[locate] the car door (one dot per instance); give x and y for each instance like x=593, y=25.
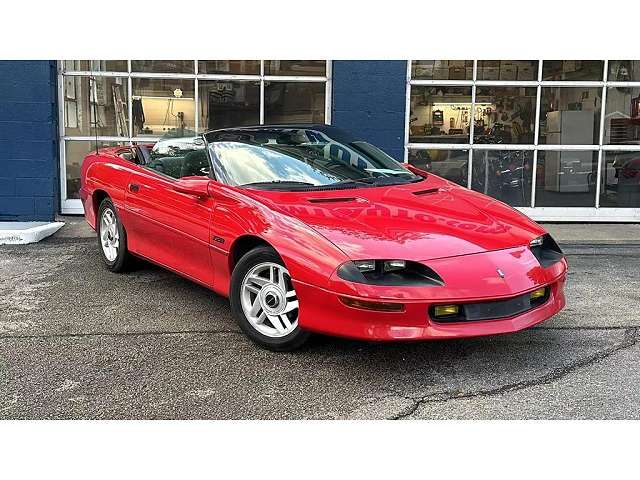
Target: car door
x=166, y=226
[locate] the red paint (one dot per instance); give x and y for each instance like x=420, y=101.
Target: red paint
x=192, y=225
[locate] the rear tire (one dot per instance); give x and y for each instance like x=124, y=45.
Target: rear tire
x=264, y=302
x=112, y=238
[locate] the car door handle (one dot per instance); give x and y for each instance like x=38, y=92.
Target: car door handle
x=134, y=187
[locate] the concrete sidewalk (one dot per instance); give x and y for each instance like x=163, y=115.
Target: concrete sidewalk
x=564, y=233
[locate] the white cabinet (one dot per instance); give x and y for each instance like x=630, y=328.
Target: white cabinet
x=568, y=171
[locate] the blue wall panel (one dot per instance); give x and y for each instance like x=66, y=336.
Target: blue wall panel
x=28, y=140
x=369, y=100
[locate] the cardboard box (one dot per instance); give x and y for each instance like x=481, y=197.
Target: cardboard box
x=441, y=64
x=441, y=74
x=508, y=73
x=423, y=71
x=490, y=63
x=489, y=73
x=457, y=63
x=457, y=73
x=526, y=73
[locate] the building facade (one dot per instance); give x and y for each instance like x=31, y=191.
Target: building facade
x=559, y=140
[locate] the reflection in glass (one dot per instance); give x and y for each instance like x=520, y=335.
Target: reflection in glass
x=588, y=70
x=96, y=107
x=162, y=106
x=230, y=67
x=624, y=71
x=163, y=66
x=622, y=119
x=442, y=69
x=303, y=68
x=277, y=157
x=566, y=178
x=294, y=102
x=75, y=151
x=503, y=174
x=228, y=103
x=570, y=115
x=522, y=70
x=450, y=164
x=440, y=114
x=95, y=65
x=504, y=115
x=620, y=182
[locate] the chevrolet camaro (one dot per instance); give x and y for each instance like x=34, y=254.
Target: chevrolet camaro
x=308, y=229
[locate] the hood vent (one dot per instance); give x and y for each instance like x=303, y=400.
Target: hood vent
x=333, y=200
x=428, y=191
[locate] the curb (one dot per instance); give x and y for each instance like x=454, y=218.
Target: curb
x=27, y=234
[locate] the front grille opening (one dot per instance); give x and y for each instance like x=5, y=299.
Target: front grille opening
x=492, y=310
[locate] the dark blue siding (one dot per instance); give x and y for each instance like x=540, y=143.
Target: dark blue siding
x=369, y=100
x=28, y=140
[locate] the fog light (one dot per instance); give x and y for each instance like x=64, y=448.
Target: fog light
x=539, y=293
x=446, y=310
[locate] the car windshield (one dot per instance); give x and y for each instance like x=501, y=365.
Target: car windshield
x=301, y=158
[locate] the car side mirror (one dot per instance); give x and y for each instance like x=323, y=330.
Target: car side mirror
x=196, y=187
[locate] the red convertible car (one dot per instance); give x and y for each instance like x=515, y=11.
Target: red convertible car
x=307, y=229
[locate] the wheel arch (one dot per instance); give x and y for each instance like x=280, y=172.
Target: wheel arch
x=244, y=244
x=96, y=199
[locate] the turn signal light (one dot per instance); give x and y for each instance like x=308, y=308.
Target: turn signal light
x=378, y=306
x=539, y=293
x=446, y=310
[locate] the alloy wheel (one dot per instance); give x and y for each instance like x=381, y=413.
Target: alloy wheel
x=269, y=300
x=109, y=235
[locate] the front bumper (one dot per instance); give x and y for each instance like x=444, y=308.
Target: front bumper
x=322, y=311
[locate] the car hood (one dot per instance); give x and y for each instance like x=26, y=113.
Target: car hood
x=420, y=221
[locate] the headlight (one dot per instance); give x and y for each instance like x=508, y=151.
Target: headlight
x=536, y=242
x=546, y=250
x=389, y=272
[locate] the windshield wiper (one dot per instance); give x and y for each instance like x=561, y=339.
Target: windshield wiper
x=279, y=183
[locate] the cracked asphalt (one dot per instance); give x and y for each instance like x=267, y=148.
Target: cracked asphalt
x=77, y=341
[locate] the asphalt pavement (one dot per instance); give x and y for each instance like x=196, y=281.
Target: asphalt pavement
x=77, y=341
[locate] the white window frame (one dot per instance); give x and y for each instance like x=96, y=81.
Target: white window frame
x=74, y=206
x=551, y=214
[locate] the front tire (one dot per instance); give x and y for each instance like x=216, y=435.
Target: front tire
x=264, y=301
x=112, y=237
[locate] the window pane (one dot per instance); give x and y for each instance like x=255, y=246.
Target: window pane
x=442, y=69
x=503, y=174
x=162, y=66
x=294, y=102
x=232, y=67
x=505, y=115
x=566, y=179
x=507, y=70
x=303, y=68
x=572, y=70
x=75, y=151
x=624, y=71
x=450, y=164
x=228, y=104
x=620, y=184
x=570, y=115
x=96, y=107
x=163, y=106
x=622, y=121
x=440, y=114
x=95, y=65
